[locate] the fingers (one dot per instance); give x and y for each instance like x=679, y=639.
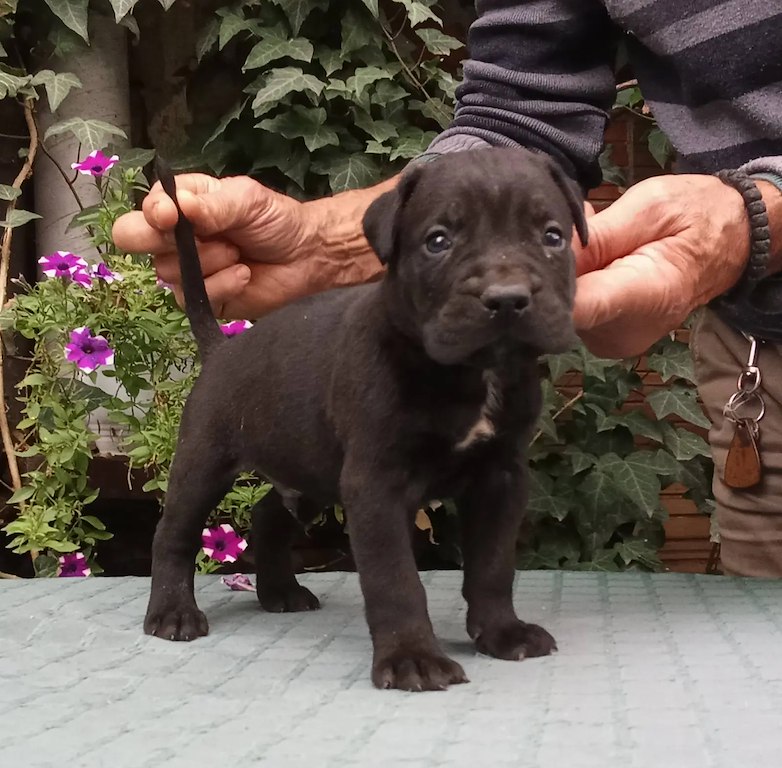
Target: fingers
x=215, y=256
x=223, y=288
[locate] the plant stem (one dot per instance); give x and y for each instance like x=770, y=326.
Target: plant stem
x=566, y=407
x=5, y=261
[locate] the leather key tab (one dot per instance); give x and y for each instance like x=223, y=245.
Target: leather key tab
x=742, y=465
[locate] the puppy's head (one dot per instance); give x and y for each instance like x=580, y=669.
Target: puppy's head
x=477, y=246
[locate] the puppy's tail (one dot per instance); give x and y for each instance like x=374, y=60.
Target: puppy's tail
x=197, y=307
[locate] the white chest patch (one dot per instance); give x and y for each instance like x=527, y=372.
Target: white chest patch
x=484, y=429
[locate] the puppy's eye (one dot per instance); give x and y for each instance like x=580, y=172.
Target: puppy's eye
x=553, y=238
x=438, y=242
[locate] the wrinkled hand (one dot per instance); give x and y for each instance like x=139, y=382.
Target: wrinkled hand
x=668, y=245
x=259, y=249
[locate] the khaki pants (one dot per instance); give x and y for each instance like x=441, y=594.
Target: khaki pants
x=750, y=522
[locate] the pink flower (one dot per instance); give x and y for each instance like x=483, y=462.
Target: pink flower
x=238, y=582
x=164, y=285
x=66, y=266
x=95, y=164
x=101, y=271
x=235, y=327
x=73, y=564
x=223, y=543
x=87, y=351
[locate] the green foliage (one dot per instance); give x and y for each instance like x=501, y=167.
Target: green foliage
x=601, y=458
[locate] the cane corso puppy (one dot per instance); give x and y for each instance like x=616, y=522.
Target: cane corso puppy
x=382, y=397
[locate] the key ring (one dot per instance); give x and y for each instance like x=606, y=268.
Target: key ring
x=748, y=384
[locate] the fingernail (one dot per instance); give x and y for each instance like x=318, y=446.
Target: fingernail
x=243, y=274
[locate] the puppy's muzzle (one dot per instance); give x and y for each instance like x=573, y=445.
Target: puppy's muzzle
x=507, y=302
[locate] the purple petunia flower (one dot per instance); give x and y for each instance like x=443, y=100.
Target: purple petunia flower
x=238, y=582
x=235, y=327
x=223, y=543
x=88, y=351
x=73, y=564
x=100, y=270
x=66, y=266
x=164, y=285
x=95, y=164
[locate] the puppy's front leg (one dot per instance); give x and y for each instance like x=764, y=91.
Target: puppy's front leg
x=406, y=652
x=491, y=513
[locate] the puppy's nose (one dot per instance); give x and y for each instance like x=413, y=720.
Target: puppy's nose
x=506, y=299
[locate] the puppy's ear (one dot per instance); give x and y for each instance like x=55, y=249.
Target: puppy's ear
x=382, y=218
x=575, y=199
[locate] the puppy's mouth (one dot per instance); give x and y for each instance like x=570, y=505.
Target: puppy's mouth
x=453, y=338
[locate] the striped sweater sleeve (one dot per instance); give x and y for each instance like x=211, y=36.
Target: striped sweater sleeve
x=539, y=76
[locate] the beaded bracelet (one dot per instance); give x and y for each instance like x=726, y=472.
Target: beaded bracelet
x=760, y=235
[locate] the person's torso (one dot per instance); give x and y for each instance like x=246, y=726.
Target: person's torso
x=711, y=70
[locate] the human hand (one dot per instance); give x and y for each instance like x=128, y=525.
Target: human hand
x=668, y=245
x=259, y=249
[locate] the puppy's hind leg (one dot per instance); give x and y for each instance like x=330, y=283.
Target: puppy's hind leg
x=194, y=489
x=273, y=529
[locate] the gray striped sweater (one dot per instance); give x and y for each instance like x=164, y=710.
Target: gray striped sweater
x=540, y=75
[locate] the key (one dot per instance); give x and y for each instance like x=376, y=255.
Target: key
x=742, y=466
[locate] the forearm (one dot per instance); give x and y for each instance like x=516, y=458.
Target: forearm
x=539, y=76
x=342, y=248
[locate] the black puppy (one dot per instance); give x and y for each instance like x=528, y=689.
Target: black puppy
x=383, y=397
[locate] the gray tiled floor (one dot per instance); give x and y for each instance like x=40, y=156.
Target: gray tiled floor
x=667, y=671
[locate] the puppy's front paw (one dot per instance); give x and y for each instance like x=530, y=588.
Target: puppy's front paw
x=287, y=600
x=181, y=622
x=413, y=670
x=515, y=641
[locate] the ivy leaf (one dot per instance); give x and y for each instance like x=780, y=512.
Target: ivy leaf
x=296, y=11
x=373, y=7
x=660, y=147
x=434, y=109
x=673, y=362
x=58, y=86
x=411, y=143
x=603, y=561
x=364, y=77
x=18, y=217
x=3, y=52
x=678, y=400
x=579, y=460
x=348, y=171
x=417, y=13
x=72, y=13
x=121, y=8
x=166, y=4
x=387, y=92
x=307, y=123
x=639, y=550
x=559, y=365
x=438, y=43
x=207, y=39
x=635, y=479
x=281, y=82
x=91, y=133
x=8, y=192
x=231, y=25
x=225, y=121
x=356, y=34
x=684, y=444
x=329, y=59
x=543, y=502
x=379, y=130
x=595, y=366
x=273, y=48
x=11, y=84
x=376, y=148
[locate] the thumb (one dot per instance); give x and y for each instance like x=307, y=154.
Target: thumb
x=619, y=230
